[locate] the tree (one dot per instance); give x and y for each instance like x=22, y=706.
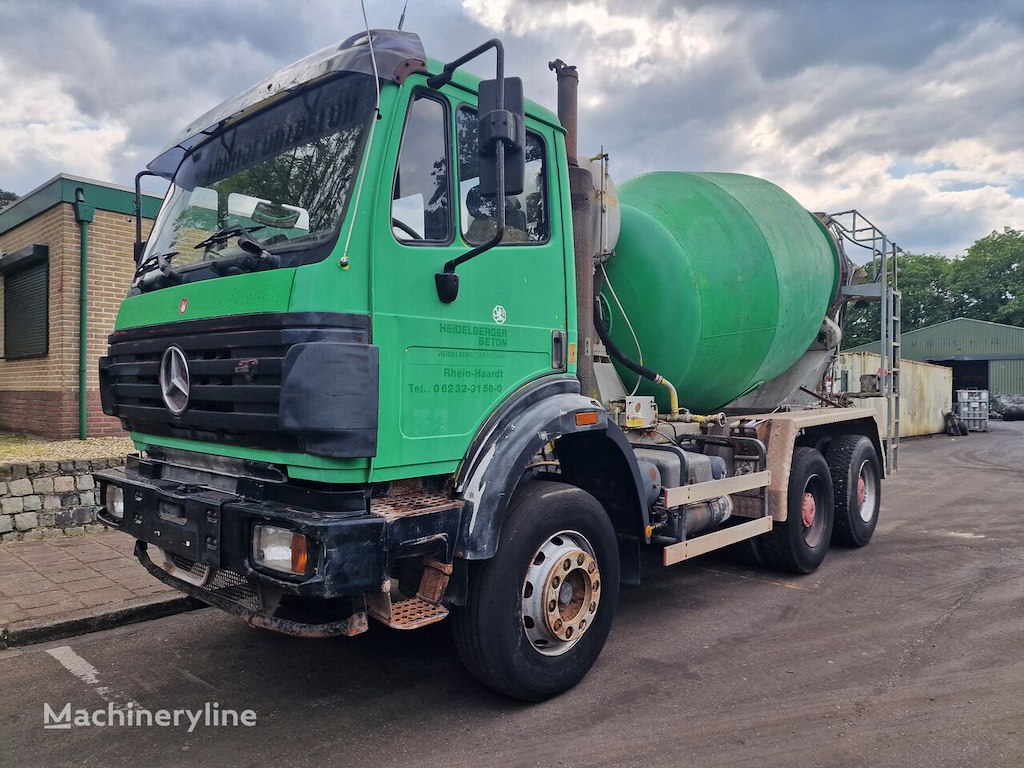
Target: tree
x=989, y=280
x=925, y=283
x=986, y=284
x=6, y=198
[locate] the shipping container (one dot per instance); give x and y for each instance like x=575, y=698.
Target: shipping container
x=926, y=391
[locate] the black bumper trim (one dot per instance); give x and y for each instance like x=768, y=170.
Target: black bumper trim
x=214, y=529
x=353, y=624
x=352, y=551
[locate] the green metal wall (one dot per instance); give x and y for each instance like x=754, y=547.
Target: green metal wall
x=1006, y=377
x=961, y=338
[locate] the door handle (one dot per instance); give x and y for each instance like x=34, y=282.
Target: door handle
x=558, y=350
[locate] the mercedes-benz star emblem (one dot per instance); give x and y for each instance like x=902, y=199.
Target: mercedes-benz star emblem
x=174, y=380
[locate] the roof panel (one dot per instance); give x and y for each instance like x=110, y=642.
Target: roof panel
x=961, y=338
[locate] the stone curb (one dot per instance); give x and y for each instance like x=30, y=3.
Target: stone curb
x=100, y=617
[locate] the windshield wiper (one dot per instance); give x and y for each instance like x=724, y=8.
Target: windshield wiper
x=151, y=261
x=158, y=272
x=254, y=259
x=224, y=234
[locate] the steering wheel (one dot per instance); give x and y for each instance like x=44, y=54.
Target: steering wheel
x=406, y=228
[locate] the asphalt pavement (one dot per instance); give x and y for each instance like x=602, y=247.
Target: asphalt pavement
x=907, y=653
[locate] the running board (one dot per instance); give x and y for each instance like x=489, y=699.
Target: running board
x=712, y=489
x=411, y=613
x=684, y=550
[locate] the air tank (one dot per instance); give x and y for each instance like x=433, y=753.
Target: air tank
x=725, y=278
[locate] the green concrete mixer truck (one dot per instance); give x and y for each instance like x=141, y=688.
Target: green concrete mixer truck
x=395, y=350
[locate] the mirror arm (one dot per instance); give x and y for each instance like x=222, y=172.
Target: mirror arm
x=138, y=203
x=445, y=76
x=447, y=281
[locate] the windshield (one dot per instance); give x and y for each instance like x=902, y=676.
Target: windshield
x=283, y=177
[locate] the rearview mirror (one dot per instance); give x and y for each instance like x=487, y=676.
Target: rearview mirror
x=507, y=126
x=272, y=215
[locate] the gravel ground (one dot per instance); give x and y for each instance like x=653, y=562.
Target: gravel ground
x=17, y=448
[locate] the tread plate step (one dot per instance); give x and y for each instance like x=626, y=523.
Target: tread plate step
x=411, y=614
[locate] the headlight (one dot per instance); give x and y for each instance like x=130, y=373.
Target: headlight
x=113, y=500
x=280, y=549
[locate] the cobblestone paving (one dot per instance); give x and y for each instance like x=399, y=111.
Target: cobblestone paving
x=48, y=579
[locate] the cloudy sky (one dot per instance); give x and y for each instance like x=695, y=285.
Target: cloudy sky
x=910, y=110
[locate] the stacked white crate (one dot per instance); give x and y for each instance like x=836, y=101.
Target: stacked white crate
x=972, y=408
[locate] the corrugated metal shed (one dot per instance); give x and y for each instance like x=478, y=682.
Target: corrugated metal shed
x=1006, y=377
x=982, y=355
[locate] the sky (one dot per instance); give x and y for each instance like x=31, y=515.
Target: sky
x=911, y=111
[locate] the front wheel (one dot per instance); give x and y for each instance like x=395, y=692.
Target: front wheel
x=538, y=612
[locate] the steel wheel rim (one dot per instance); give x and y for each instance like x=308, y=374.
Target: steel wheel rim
x=814, y=489
x=560, y=593
x=867, y=495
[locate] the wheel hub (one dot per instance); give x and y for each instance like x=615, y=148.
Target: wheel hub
x=561, y=593
x=867, y=491
x=808, y=509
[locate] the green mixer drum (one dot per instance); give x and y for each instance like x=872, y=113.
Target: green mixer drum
x=725, y=278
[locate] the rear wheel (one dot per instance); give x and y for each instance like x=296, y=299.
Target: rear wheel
x=801, y=542
x=538, y=613
x=857, y=481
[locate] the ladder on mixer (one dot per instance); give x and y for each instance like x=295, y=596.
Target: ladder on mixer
x=853, y=227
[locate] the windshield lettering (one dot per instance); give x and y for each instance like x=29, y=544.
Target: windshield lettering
x=282, y=176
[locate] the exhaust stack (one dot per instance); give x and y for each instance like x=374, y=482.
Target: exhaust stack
x=581, y=196
x=568, y=86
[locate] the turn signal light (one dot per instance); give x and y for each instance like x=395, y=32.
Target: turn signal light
x=280, y=549
x=586, y=418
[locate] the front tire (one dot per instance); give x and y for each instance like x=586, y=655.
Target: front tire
x=800, y=544
x=538, y=612
x=856, y=478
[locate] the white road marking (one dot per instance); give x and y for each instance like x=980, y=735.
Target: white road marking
x=87, y=673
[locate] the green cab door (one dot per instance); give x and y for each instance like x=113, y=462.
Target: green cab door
x=445, y=367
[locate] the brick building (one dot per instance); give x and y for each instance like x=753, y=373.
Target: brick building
x=40, y=270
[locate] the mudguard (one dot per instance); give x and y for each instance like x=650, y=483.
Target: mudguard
x=507, y=444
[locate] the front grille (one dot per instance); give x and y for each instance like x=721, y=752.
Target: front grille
x=236, y=588
x=235, y=367
x=227, y=585
x=192, y=568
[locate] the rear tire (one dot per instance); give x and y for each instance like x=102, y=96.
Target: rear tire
x=856, y=477
x=557, y=548
x=799, y=544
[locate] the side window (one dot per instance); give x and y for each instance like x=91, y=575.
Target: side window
x=526, y=218
x=420, y=211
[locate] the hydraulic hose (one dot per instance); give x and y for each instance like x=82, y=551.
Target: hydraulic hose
x=675, y=412
x=602, y=333
x=635, y=367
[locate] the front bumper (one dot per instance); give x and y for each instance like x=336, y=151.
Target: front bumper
x=246, y=598
x=199, y=540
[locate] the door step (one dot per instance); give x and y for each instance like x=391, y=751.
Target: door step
x=410, y=613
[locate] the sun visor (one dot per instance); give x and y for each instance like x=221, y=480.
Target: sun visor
x=393, y=51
